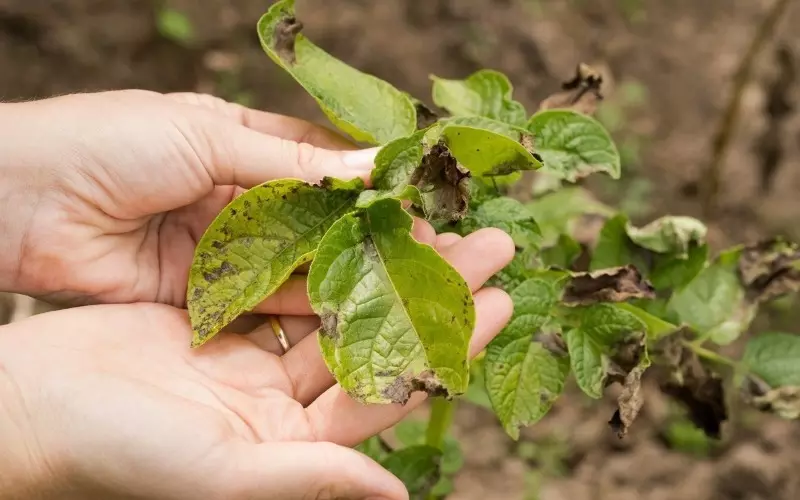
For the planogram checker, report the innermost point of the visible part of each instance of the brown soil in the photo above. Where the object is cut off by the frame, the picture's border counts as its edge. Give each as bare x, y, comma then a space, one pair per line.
681, 53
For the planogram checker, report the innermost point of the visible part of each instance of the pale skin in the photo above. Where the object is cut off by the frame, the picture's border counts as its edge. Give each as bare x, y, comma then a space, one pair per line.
102, 200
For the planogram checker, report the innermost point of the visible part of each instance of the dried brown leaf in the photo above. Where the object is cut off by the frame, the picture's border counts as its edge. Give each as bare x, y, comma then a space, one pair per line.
616, 284
443, 183
582, 93
770, 269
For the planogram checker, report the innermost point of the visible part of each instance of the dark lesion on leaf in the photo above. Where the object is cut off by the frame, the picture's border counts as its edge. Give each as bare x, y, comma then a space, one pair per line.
769, 269
224, 269
401, 388
626, 367
329, 325
440, 173
552, 342
425, 115
682, 376
285, 34
782, 401
582, 92
608, 285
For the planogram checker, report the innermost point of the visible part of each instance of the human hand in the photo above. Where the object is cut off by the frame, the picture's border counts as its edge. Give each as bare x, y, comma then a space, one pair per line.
108, 402
107, 194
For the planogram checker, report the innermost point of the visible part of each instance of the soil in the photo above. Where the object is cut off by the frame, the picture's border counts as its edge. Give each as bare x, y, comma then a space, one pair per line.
668, 66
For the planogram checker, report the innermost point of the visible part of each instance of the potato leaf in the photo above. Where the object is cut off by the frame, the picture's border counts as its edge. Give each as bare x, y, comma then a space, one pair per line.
560, 211
573, 145
775, 358
253, 246
506, 214
670, 234
525, 365
418, 467
396, 317
486, 93
367, 108
770, 269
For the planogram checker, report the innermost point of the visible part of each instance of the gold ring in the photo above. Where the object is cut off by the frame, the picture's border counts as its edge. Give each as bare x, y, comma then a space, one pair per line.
279, 333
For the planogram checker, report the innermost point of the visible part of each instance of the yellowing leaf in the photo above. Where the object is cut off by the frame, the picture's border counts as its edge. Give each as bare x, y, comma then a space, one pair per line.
396, 317
367, 108
253, 246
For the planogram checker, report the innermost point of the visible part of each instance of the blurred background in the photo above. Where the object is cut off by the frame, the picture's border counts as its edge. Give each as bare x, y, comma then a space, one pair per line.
670, 68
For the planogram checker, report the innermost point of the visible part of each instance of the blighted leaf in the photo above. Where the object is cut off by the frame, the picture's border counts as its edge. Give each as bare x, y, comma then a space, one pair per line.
425, 115
598, 332
526, 365
485, 93
396, 317
683, 377
255, 243
607, 285
367, 108
506, 214
581, 93
558, 212
713, 303
770, 269
670, 234
573, 145
783, 401
630, 362
443, 184
418, 467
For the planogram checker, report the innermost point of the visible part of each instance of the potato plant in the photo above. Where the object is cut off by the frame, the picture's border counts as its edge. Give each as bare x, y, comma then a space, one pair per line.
603, 307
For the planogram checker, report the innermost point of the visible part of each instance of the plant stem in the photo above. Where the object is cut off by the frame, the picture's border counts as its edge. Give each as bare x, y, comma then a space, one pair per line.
439, 422
711, 355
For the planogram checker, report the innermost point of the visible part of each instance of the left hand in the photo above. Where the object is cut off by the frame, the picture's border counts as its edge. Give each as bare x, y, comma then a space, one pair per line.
109, 402
104, 196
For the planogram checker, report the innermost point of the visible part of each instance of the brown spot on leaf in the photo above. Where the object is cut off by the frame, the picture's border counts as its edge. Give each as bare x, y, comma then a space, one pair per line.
626, 366
285, 35
770, 269
425, 116
225, 269
783, 401
608, 285
329, 324
441, 174
682, 376
553, 342
217, 244
400, 390
581, 93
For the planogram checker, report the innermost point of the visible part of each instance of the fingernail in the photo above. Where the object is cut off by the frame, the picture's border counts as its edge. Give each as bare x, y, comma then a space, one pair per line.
362, 160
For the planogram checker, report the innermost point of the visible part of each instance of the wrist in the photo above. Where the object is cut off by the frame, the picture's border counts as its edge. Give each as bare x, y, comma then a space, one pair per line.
26, 471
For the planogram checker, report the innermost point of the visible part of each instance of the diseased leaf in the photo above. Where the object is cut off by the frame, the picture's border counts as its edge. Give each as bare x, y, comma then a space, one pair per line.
255, 243
573, 145
506, 214
607, 285
775, 358
486, 93
629, 363
714, 302
418, 467
598, 332
443, 184
367, 108
670, 234
770, 269
396, 317
783, 401
525, 365
689, 382
581, 93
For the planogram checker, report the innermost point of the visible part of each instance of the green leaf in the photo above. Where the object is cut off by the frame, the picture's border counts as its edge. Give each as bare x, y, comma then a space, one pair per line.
597, 330
506, 214
714, 302
374, 448
396, 317
557, 212
614, 247
670, 234
417, 466
562, 254
255, 243
411, 432
524, 368
670, 272
174, 25
775, 357
367, 108
485, 93
521, 267
656, 327
573, 145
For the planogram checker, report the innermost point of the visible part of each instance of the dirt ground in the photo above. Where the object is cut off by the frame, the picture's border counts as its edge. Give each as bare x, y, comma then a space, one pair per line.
669, 65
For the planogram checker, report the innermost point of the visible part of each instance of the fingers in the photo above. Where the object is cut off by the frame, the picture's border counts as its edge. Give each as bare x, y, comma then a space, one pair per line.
477, 257
306, 470
336, 417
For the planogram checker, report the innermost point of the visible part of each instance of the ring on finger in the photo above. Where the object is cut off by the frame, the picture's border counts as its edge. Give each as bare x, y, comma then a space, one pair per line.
283, 340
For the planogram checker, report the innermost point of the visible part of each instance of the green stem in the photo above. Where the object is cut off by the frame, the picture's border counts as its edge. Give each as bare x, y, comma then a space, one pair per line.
438, 424
711, 355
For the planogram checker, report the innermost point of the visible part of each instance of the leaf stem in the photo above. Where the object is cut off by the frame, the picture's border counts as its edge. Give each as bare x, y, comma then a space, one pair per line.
438, 424
711, 355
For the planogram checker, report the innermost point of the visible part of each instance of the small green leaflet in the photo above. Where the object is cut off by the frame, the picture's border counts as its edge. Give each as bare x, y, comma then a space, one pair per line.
597, 330
775, 357
506, 214
671, 234
486, 93
557, 212
573, 145
255, 243
713, 303
365, 107
614, 247
412, 433
396, 317
418, 467
525, 369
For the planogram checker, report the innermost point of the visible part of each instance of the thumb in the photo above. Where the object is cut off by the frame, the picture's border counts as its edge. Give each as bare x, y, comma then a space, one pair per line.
240, 156
299, 470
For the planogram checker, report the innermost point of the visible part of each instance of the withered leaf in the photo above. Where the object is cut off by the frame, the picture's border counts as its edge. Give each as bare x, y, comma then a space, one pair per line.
607, 285
770, 269
783, 401
581, 93
286, 32
626, 367
443, 184
683, 377
425, 115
